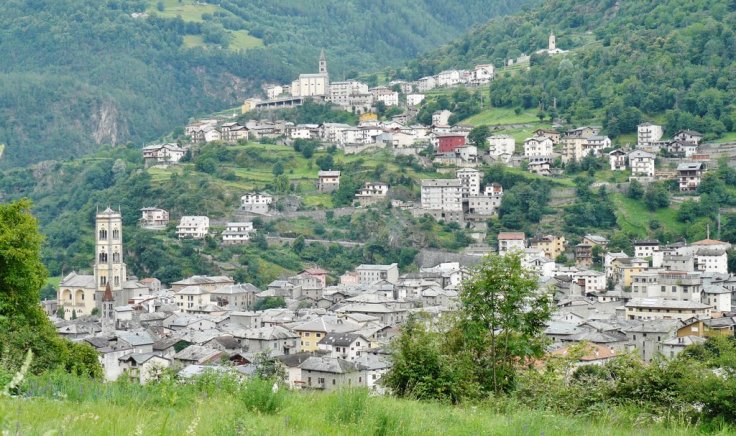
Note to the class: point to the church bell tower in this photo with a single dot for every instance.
(110, 271)
(552, 42)
(322, 62)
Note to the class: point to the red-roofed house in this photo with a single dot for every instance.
(510, 241)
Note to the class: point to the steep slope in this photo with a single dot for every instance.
(78, 73)
(673, 59)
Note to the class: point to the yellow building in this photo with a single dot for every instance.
(709, 327)
(76, 295)
(249, 105)
(368, 116)
(311, 332)
(624, 268)
(552, 245)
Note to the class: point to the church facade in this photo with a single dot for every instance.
(313, 85)
(80, 294)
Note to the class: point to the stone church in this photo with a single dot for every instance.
(80, 294)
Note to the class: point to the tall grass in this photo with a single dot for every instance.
(263, 396)
(226, 405)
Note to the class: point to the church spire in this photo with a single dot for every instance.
(322, 62)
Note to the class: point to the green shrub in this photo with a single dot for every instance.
(259, 395)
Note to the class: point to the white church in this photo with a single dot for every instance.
(552, 46)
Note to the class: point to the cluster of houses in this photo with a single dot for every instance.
(357, 97)
(659, 300)
(462, 199)
(333, 331)
(330, 333)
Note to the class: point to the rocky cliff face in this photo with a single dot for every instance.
(107, 125)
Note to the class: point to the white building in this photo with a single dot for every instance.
(194, 227)
(237, 233)
(718, 297)
(414, 99)
(511, 241)
(448, 78)
(647, 133)
(538, 146)
(689, 175)
(645, 248)
(386, 95)
(591, 281)
(313, 85)
(483, 74)
(154, 218)
(470, 179)
(368, 274)
(712, 260)
(372, 192)
(595, 144)
(274, 91)
(641, 163)
(617, 160)
(442, 194)
(501, 145)
(344, 93)
(163, 153)
(303, 131)
(255, 202)
(441, 118)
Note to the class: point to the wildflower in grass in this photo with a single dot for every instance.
(20, 375)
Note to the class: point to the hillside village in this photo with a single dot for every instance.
(329, 331)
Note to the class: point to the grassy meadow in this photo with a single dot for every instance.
(223, 406)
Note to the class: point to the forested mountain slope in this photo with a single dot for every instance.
(672, 59)
(77, 73)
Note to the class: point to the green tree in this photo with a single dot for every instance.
(478, 135)
(502, 319)
(636, 190)
(268, 367)
(23, 324)
(269, 303)
(656, 197)
(422, 369)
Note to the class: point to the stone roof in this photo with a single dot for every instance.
(196, 353)
(329, 365)
(135, 338)
(341, 339)
(665, 304)
(74, 280)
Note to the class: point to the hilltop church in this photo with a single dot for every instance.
(80, 294)
(313, 85)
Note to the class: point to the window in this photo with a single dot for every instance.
(103, 234)
(103, 257)
(115, 257)
(116, 234)
(321, 380)
(333, 382)
(103, 280)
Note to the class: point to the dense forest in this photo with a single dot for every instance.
(78, 73)
(674, 59)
